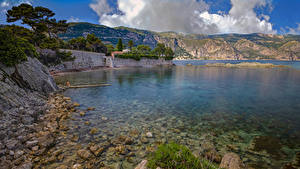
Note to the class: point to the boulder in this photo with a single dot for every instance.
(232, 161)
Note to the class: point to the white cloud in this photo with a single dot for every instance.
(294, 31)
(100, 7)
(73, 19)
(187, 16)
(4, 4)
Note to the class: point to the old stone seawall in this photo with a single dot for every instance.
(90, 60)
(144, 62)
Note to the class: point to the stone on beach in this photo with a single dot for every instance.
(84, 154)
(232, 161)
(149, 134)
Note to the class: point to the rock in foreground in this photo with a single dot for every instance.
(232, 161)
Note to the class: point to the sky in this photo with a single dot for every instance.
(184, 16)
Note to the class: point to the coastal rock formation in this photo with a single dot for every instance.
(24, 85)
(23, 91)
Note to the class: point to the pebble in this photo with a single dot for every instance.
(82, 113)
(77, 166)
(149, 134)
(104, 118)
(31, 143)
(11, 144)
(84, 154)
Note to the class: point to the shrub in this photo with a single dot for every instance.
(174, 156)
(136, 56)
(14, 49)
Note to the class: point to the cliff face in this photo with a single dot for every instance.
(23, 100)
(233, 47)
(24, 86)
(222, 47)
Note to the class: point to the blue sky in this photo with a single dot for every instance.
(282, 15)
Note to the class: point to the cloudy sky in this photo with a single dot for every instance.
(186, 16)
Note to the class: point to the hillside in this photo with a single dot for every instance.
(193, 46)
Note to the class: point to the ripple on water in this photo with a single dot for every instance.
(254, 113)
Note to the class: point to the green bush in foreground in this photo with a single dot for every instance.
(174, 156)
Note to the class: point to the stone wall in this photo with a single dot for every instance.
(144, 62)
(83, 61)
(90, 60)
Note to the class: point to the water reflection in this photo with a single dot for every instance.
(236, 109)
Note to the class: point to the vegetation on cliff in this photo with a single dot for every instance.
(144, 51)
(88, 43)
(17, 43)
(192, 46)
(14, 49)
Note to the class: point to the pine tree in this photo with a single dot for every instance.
(130, 44)
(119, 46)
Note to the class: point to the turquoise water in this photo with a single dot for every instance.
(252, 112)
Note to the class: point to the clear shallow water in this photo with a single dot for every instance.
(253, 112)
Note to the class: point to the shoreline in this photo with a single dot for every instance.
(61, 73)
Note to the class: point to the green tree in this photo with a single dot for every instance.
(20, 32)
(169, 54)
(159, 50)
(56, 27)
(95, 44)
(143, 49)
(14, 49)
(110, 49)
(130, 44)
(38, 18)
(34, 17)
(119, 46)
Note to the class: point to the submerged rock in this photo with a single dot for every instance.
(270, 144)
(149, 134)
(94, 131)
(91, 108)
(104, 118)
(75, 104)
(82, 113)
(96, 150)
(84, 154)
(232, 161)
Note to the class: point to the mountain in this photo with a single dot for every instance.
(196, 46)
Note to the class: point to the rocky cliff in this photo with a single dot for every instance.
(23, 92)
(221, 47)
